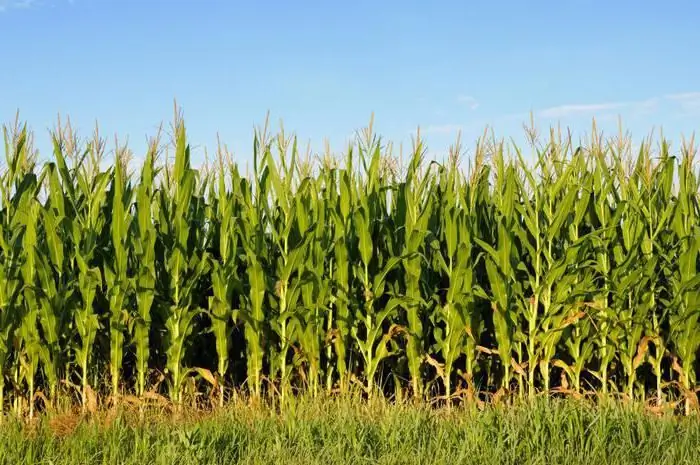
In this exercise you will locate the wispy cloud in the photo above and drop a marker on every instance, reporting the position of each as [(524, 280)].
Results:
[(443, 128), (689, 102), (678, 104), (6, 5), (468, 100), (633, 108), (563, 111), (685, 96)]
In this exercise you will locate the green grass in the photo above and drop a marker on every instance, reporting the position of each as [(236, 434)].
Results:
[(347, 432)]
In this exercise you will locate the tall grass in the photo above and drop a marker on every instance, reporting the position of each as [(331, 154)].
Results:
[(561, 268), (324, 430)]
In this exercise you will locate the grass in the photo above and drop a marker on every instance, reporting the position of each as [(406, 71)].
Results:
[(337, 431)]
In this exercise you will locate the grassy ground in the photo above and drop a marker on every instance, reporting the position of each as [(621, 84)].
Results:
[(348, 432)]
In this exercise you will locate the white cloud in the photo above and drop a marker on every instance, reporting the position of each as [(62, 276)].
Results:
[(468, 100), (685, 96), (650, 103), (689, 102), (562, 111), (15, 4), (443, 128), (681, 104), (6, 5), (604, 108)]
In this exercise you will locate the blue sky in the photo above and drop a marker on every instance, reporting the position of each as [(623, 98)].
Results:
[(323, 67)]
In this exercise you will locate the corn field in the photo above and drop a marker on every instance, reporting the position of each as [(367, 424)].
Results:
[(563, 269)]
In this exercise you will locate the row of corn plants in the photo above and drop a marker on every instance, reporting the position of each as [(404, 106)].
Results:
[(564, 268)]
